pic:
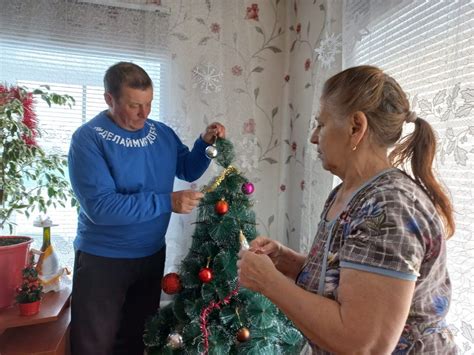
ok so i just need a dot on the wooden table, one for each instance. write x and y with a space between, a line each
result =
46 333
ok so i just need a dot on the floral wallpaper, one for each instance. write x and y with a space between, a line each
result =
255 66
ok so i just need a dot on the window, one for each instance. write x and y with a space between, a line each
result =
69 46
427 46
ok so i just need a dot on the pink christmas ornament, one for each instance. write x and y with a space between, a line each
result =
248 188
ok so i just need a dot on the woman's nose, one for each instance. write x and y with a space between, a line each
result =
314 137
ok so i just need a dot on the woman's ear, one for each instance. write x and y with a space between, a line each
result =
359 127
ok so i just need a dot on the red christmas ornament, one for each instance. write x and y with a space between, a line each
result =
171 283
205 275
243 335
221 207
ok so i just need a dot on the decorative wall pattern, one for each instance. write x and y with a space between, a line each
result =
253 66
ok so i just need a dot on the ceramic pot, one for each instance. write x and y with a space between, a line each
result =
29 309
13 259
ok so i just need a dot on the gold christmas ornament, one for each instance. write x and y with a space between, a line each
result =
243 335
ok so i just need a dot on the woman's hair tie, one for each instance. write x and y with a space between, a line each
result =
411 117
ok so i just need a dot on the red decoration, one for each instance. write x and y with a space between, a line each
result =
205 275
243 335
205 313
221 207
171 283
29 119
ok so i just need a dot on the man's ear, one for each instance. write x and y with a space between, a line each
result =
108 98
359 127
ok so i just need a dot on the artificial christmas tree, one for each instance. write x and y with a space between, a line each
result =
211 313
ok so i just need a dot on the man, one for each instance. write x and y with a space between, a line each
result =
122 166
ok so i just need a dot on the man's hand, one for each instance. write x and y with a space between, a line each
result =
184 201
212 131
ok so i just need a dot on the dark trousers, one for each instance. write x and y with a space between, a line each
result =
111 300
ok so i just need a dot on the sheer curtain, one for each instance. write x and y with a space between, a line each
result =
256 66
68 45
248 64
428 46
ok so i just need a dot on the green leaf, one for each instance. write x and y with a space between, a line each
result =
255 92
261 312
291 336
193 308
191 331
257 69
179 309
208 292
275 49
228 315
274 111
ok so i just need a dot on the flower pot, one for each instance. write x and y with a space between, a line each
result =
13 259
29 309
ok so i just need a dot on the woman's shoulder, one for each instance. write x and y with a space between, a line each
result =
398 195
396 184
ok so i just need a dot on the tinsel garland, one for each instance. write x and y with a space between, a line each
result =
229 170
207 310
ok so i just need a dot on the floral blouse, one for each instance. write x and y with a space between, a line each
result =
389 227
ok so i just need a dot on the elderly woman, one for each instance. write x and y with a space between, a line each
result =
375 279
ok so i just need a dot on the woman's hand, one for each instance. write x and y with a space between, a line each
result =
267 246
255 271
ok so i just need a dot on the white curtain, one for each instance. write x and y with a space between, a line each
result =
428 46
253 66
68 45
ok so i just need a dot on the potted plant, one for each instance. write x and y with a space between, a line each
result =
30 292
30 178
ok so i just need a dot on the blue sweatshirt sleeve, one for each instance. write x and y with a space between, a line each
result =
96 191
192 164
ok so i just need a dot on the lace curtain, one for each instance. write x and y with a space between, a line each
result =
428 46
68 45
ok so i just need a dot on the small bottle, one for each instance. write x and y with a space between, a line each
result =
48 268
44 249
46 238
